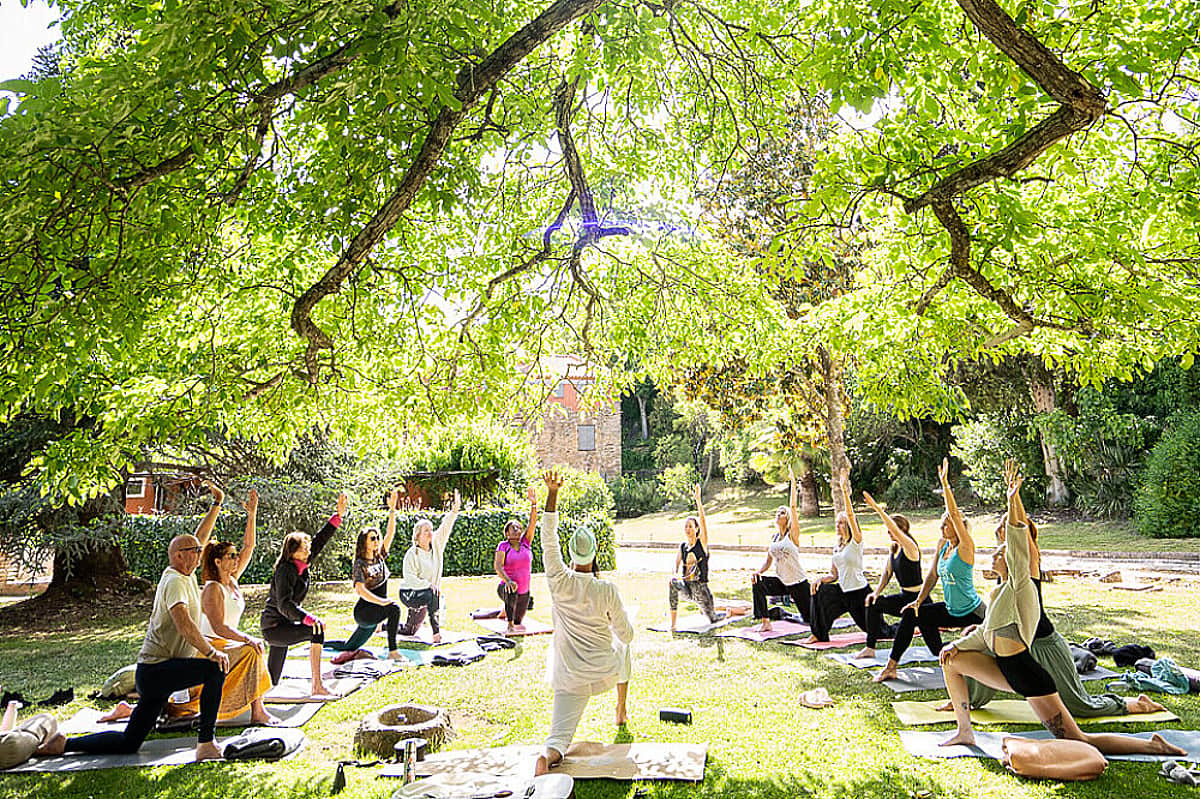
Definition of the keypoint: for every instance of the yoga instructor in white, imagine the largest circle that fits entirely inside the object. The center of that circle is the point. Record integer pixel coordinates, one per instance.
(589, 653)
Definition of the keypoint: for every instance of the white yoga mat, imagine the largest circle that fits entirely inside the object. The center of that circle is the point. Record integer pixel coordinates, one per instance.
(87, 720)
(696, 624)
(294, 691)
(914, 654)
(584, 760)
(989, 744)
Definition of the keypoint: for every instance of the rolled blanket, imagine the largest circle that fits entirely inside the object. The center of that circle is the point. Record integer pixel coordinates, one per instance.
(1085, 661)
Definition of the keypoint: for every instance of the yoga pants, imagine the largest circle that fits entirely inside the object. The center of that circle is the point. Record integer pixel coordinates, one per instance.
(932, 618)
(891, 605)
(830, 602)
(368, 614)
(769, 585)
(280, 637)
(1025, 675)
(155, 684)
(515, 604)
(419, 603)
(695, 590)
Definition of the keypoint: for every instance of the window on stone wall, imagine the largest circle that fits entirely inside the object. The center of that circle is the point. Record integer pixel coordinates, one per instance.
(135, 488)
(587, 437)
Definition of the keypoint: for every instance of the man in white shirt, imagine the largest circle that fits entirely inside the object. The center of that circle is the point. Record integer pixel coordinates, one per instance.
(589, 653)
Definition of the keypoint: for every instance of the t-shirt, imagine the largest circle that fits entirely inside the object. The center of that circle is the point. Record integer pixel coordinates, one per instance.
(848, 560)
(370, 573)
(163, 640)
(786, 557)
(518, 563)
(695, 562)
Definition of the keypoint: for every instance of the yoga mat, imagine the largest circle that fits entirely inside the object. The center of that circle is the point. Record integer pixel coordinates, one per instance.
(292, 691)
(929, 678)
(1008, 711)
(154, 752)
(838, 641)
(697, 624)
(87, 720)
(459, 785)
(424, 636)
(532, 627)
(423, 657)
(988, 744)
(779, 629)
(914, 654)
(585, 760)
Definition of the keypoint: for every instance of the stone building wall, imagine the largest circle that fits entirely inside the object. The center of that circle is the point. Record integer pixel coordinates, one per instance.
(558, 440)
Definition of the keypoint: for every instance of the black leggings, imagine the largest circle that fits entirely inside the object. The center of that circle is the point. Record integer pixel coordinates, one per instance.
(768, 585)
(280, 637)
(1025, 675)
(419, 603)
(155, 684)
(891, 605)
(368, 614)
(830, 602)
(515, 604)
(932, 618)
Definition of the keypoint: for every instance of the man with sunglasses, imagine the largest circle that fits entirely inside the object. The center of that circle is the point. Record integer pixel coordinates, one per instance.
(175, 655)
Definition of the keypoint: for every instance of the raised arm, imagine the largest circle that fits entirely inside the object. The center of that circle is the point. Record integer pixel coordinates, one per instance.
(793, 514)
(700, 517)
(894, 532)
(552, 559)
(393, 499)
(931, 578)
(1016, 537)
(325, 533)
(855, 533)
(442, 534)
(533, 515)
(966, 544)
(204, 530)
(249, 538)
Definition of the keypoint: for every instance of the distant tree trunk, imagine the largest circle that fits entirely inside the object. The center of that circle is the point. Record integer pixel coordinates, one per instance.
(832, 378)
(89, 568)
(810, 502)
(1041, 390)
(641, 401)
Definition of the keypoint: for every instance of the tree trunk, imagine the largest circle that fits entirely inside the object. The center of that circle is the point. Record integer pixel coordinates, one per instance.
(83, 570)
(1041, 389)
(810, 501)
(832, 377)
(641, 401)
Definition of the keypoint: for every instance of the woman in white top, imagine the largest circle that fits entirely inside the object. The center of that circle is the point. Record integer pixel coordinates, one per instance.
(421, 587)
(589, 652)
(790, 577)
(845, 588)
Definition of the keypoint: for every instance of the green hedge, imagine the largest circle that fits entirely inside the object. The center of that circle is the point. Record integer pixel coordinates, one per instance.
(1167, 504)
(470, 551)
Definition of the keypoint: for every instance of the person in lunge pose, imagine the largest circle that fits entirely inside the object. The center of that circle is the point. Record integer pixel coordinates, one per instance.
(954, 565)
(693, 560)
(421, 588)
(784, 552)
(845, 588)
(514, 567)
(370, 575)
(997, 651)
(589, 653)
(284, 621)
(904, 562)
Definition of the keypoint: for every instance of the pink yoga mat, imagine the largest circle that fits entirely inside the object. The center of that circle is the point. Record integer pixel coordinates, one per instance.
(834, 642)
(779, 629)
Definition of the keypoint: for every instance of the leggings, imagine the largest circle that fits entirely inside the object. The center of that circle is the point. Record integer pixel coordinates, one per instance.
(368, 614)
(768, 585)
(932, 618)
(280, 637)
(891, 605)
(155, 684)
(695, 590)
(419, 603)
(1025, 675)
(515, 604)
(831, 601)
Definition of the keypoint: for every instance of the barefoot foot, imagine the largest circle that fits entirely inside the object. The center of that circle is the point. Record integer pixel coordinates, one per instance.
(960, 739)
(123, 710)
(889, 673)
(1161, 747)
(208, 751)
(437, 638)
(1143, 704)
(866, 653)
(945, 707)
(55, 746)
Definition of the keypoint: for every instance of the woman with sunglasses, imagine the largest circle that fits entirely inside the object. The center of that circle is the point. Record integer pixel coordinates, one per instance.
(370, 575)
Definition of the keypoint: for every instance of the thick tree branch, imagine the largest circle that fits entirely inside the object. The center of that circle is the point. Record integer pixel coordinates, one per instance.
(473, 82)
(564, 99)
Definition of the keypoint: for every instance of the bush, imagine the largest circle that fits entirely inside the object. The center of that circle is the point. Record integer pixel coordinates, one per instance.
(908, 492)
(678, 482)
(984, 443)
(672, 450)
(1167, 504)
(633, 497)
(637, 456)
(505, 457)
(583, 493)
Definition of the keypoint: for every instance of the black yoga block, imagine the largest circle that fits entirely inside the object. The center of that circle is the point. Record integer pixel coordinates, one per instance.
(679, 715)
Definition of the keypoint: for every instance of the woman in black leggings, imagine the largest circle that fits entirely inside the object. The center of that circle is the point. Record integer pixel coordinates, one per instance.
(284, 621)
(905, 564)
(370, 575)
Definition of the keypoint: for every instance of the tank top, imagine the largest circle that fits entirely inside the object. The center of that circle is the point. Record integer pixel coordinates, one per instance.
(958, 582)
(1045, 627)
(695, 562)
(235, 605)
(907, 572)
(786, 556)
(848, 560)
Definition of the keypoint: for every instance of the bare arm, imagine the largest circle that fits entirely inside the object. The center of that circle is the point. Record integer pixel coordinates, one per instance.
(885, 578)
(498, 564)
(212, 603)
(191, 633)
(931, 578)
(367, 595)
(204, 530)
(894, 532)
(533, 516)
(249, 539)
(966, 544)
(552, 558)
(855, 533)
(793, 514)
(392, 500)
(703, 521)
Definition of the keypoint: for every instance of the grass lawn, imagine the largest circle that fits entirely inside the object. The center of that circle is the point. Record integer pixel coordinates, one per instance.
(745, 517)
(761, 744)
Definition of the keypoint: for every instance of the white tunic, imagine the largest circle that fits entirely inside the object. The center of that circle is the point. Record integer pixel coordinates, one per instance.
(235, 605)
(848, 561)
(423, 567)
(786, 556)
(583, 657)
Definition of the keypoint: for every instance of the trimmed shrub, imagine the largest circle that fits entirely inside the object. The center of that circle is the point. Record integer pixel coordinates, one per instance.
(1167, 504)
(908, 492)
(583, 493)
(633, 497)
